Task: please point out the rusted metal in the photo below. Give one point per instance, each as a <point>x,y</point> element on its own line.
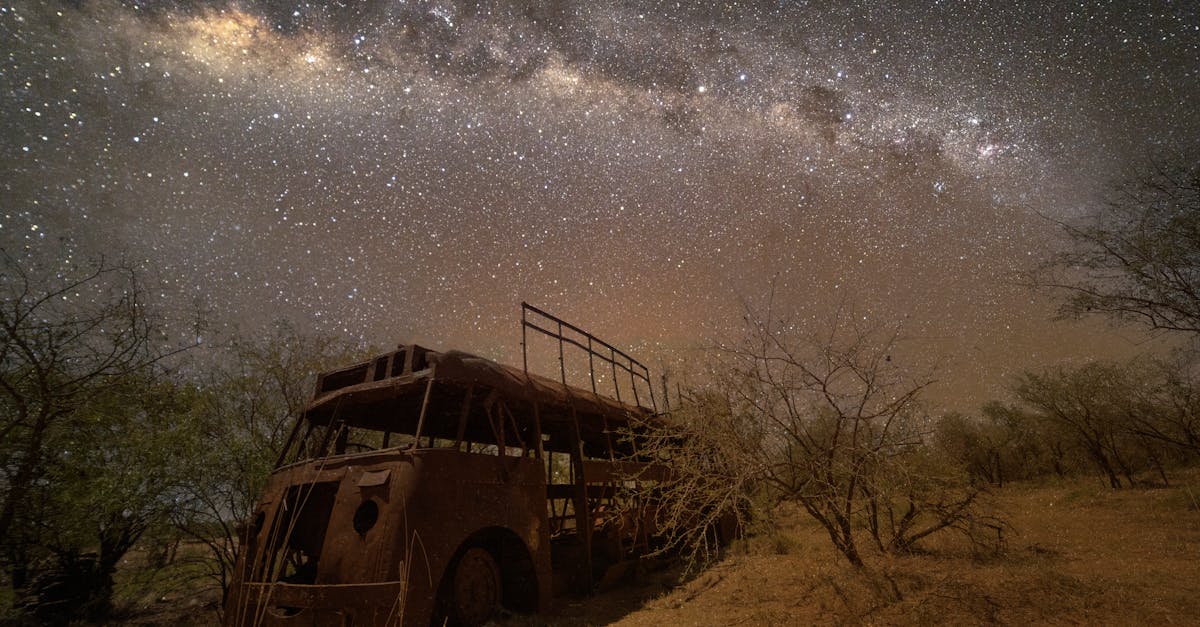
<point>424,491</point>
<point>616,357</point>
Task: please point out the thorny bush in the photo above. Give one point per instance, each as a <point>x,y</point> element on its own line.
<point>831,422</point>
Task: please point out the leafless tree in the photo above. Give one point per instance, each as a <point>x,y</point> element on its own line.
<point>1166,408</point>
<point>708,496</point>
<point>830,421</point>
<point>1137,257</point>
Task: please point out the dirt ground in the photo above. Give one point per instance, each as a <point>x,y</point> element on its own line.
<point>1076,553</point>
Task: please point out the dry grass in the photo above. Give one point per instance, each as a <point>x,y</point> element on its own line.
<point>1077,553</point>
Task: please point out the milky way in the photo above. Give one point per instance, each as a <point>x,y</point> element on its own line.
<point>414,170</point>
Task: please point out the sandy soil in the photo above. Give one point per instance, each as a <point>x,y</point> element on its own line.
<point>1076,553</point>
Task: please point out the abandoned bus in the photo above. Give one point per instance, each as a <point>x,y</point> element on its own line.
<point>423,487</point>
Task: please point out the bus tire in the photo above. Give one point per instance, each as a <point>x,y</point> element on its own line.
<point>475,589</point>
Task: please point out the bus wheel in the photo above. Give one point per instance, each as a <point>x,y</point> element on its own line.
<point>476,588</point>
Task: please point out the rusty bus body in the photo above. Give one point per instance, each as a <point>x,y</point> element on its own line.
<point>436,487</point>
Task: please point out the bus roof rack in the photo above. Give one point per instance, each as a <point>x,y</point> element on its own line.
<point>567,334</point>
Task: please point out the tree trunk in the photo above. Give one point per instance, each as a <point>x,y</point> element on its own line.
<point>26,472</point>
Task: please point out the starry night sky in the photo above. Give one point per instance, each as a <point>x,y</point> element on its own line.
<point>415,169</point>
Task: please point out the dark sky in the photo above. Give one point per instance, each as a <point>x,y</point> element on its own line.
<point>415,169</point>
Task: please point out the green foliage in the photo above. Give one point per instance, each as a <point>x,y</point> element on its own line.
<point>80,357</point>
<point>120,460</point>
<point>110,480</point>
<point>100,445</point>
<point>247,398</point>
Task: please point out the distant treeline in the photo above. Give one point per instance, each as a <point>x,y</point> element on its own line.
<point>1130,422</point>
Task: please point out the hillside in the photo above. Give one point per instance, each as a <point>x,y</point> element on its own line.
<point>1076,553</point>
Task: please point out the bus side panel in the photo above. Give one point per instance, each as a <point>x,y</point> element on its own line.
<point>457,495</point>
